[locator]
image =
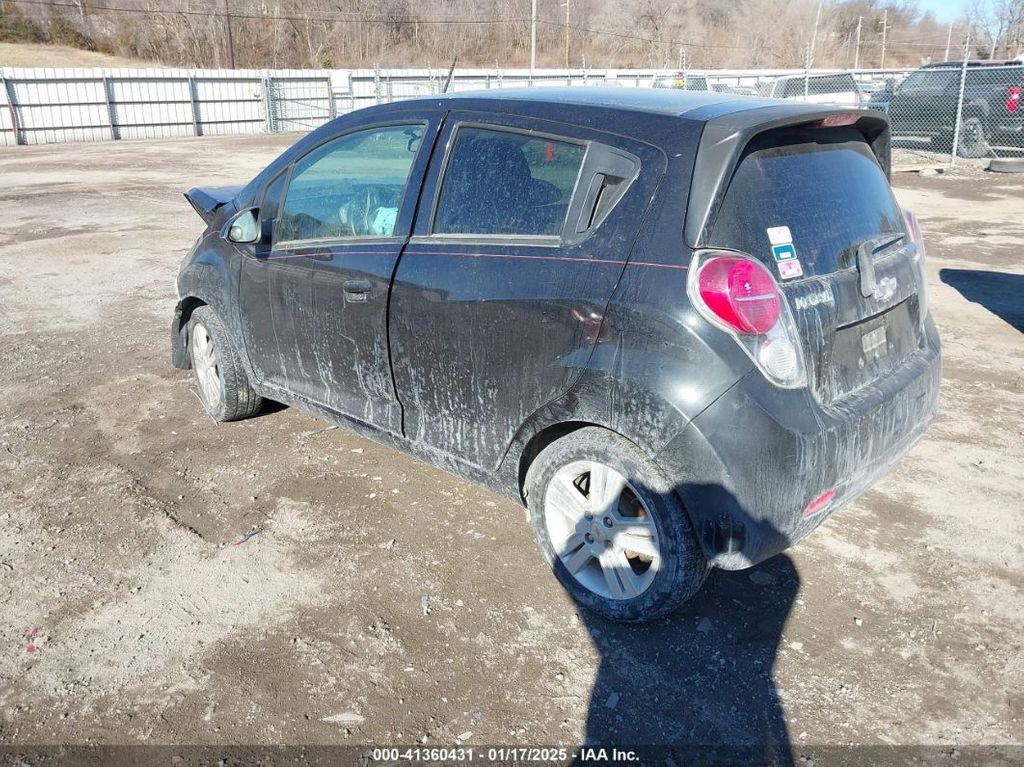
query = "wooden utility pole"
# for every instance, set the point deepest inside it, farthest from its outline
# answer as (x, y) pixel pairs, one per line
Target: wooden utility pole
(567, 34)
(949, 39)
(533, 35)
(885, 30)
(814, 35)
(856, 56)
(231, 41)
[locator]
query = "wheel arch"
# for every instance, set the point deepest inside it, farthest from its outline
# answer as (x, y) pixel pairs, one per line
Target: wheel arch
(179, 330)
(205, 282)
(546, 435)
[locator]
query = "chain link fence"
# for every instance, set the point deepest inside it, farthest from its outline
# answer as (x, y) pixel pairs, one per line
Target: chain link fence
(938, 113)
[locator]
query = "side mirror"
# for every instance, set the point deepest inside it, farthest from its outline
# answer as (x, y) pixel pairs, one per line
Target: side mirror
(242, 229)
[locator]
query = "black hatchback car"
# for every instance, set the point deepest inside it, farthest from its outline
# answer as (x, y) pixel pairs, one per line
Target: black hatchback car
(682, 328)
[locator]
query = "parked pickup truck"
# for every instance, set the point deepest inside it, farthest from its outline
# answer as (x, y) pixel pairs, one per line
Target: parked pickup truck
(926, 103)
(682, 328)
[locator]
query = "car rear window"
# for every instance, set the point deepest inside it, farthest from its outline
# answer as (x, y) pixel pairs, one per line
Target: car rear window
(820, 85)
(500, 182)
(826, 186)
(930, 78)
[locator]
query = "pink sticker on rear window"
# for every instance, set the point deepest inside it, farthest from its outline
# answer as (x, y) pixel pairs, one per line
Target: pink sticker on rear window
(790, 268)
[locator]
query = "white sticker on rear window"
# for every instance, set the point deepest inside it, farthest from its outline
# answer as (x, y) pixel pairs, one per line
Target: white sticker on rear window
(779, 235)
(790, 268)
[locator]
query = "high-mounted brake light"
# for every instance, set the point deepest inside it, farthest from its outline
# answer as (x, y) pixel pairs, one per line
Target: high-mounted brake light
(837, 121)
(739, 295)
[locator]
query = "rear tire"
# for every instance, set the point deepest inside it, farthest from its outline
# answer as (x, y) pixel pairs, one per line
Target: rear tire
(1007, 165)
(220, 379)
(973, 141)
(624, 550)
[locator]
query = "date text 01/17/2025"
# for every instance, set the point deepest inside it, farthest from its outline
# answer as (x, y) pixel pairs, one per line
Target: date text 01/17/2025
(462, 754)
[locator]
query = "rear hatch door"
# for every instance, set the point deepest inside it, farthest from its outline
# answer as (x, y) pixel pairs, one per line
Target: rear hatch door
(817, 195)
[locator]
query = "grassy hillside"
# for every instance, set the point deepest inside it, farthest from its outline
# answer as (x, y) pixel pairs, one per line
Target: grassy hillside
(43, 55)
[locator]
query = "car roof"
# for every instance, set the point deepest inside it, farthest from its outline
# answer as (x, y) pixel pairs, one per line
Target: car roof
(974, 63)
(660, 101)
(814, 75)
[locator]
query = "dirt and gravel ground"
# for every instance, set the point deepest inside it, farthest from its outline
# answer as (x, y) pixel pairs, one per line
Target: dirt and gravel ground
(387, 602)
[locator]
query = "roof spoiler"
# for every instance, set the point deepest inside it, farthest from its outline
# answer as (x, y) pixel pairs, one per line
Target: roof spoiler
(724, 139)
(207, 201)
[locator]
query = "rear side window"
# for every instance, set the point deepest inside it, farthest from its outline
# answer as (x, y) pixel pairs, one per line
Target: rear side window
(504, 183)
(827, 188)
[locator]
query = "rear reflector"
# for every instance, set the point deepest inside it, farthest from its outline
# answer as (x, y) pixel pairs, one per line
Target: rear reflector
(820, 503)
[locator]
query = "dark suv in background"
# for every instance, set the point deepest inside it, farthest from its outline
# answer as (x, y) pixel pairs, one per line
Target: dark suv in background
(682, 328)
(925, 105)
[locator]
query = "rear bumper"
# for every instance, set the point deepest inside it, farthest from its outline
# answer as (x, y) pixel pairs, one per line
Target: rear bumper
(750, 464)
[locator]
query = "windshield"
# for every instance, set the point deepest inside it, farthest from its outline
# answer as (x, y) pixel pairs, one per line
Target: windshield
(826, 187)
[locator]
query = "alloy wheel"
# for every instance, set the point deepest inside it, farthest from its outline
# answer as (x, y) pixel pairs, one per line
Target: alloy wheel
(601, 530)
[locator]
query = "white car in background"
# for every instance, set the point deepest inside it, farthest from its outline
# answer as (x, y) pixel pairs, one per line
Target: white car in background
(818, 88)
(686, 81)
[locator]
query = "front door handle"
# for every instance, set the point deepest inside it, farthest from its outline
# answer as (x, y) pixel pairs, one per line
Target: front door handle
(357, 290)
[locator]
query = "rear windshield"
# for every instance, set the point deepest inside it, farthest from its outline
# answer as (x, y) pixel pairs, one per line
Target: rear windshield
(826, 187)
(819, 86)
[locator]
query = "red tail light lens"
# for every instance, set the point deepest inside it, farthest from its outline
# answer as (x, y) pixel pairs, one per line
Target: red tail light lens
(741, 293)
(1013, 100)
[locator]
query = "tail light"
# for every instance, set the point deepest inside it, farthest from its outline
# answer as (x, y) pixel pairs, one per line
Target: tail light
(914, 232)
(741, 293)
(738, 294)
(910, 220)
(1013, 100)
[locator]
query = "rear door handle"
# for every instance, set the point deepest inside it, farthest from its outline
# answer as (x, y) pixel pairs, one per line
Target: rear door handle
(357, 290)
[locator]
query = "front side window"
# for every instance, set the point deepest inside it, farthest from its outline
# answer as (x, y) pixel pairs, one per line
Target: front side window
(350, 187)
(272, 197)
(498, 182)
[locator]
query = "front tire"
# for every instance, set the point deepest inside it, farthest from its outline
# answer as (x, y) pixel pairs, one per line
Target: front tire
(612, 528)
(220, 379)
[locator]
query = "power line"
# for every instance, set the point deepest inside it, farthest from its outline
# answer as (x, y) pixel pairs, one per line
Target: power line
(261, 17)
(343, 18)
(671, 42)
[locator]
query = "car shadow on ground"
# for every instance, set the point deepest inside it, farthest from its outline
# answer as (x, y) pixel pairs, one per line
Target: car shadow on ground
(999, 292)
(699, 682)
